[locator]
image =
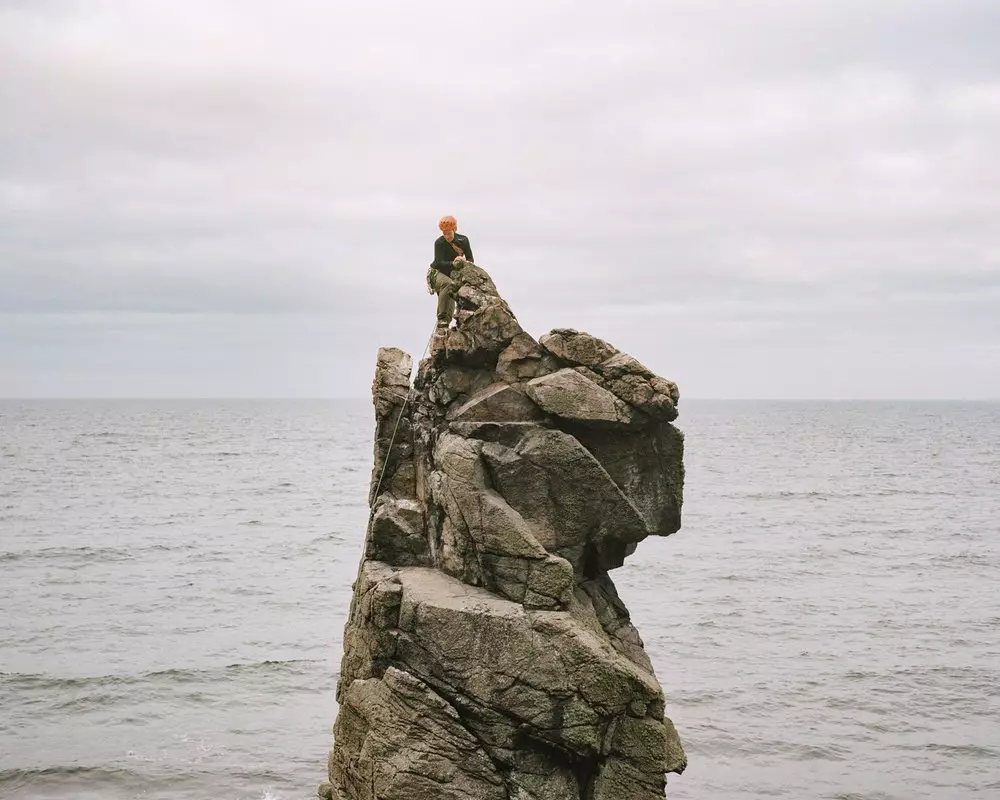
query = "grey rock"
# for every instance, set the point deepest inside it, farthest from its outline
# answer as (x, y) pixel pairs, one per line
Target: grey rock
(392, 380)
(498, 402)
(524, 359)
(487, 325)
(576, 347)
(451, 383)
(575, 396)
(325, 791)
(573, 506)
(615, 621)
(393, 469)
(396, 533)
(410, 744)
(647, 466)
(543, 671)
(539, 775)
(487, 653)
(487, 541)
(617, 372)
(370, 634)
(639, 387)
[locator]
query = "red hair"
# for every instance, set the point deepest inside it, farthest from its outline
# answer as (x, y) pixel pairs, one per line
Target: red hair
(448, 224)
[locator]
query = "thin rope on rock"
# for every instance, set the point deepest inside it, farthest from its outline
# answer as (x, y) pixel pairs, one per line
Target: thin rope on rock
(402, 410)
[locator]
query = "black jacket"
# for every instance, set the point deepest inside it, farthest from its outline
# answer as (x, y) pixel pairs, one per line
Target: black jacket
(444, 253)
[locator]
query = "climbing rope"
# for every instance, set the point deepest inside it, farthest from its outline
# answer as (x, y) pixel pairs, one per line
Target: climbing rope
(402, 410)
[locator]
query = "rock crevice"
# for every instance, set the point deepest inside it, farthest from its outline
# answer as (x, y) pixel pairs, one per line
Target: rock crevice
(487, 653)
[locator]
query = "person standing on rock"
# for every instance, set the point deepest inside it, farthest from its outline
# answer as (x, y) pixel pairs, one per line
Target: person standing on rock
(451, 251)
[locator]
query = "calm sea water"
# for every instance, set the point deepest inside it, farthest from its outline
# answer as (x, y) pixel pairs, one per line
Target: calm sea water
(175, 576)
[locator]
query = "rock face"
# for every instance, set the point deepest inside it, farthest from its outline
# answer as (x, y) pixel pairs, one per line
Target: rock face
(487, 655)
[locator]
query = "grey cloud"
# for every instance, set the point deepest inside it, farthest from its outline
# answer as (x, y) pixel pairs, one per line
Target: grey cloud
(758, 164)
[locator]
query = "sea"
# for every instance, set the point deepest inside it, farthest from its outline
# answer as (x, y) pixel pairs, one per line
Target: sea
(175, 577)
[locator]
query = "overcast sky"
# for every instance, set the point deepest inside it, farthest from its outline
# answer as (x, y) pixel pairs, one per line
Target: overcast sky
(756, 199)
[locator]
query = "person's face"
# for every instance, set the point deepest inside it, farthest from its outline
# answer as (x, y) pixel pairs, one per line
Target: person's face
(449, 234)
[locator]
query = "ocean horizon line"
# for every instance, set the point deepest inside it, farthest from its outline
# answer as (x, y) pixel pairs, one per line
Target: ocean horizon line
(353, 398)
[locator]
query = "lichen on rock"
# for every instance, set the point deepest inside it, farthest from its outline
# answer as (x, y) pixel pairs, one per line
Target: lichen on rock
(487, 653)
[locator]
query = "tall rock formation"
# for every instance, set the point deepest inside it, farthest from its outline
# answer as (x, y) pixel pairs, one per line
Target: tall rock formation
(487, 655)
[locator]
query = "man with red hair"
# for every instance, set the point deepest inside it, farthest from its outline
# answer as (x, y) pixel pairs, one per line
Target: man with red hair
(451, 251)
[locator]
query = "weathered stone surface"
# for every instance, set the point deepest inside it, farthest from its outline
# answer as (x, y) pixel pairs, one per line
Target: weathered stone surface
(639, 387)
(524, 359)
(577, 348)
(676, 760)
(409, 744)
(397, 533)
(543, 672)
(392, 471)
(487, 541)
(487, 325)
(392, 380)
(370, 635)
(617, 372)
(452, 383)
(615, 621)
(575, 396)
(487, 653)
(498, 402)
(647, 465)
(571, 503)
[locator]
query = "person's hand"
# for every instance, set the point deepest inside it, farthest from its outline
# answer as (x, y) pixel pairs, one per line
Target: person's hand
(458, 260)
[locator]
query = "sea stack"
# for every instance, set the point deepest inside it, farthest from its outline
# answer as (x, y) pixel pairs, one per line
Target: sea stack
(487, 655)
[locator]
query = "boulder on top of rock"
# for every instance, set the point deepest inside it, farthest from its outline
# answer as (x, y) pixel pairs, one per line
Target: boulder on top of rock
(639, 387)
(576, 396)
(576, 347)
(498, 402)
(618, 373)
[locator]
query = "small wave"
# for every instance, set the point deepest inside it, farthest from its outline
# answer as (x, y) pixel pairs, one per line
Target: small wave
(34, 681)
(74, 553)
(96, 554)
(833, 495)
(698, 698)
(812, 752)
(787, 495)
(866, 796)
(965, 558)
(316, 546)
(16, 778)
(858, 675)
(965, 750)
